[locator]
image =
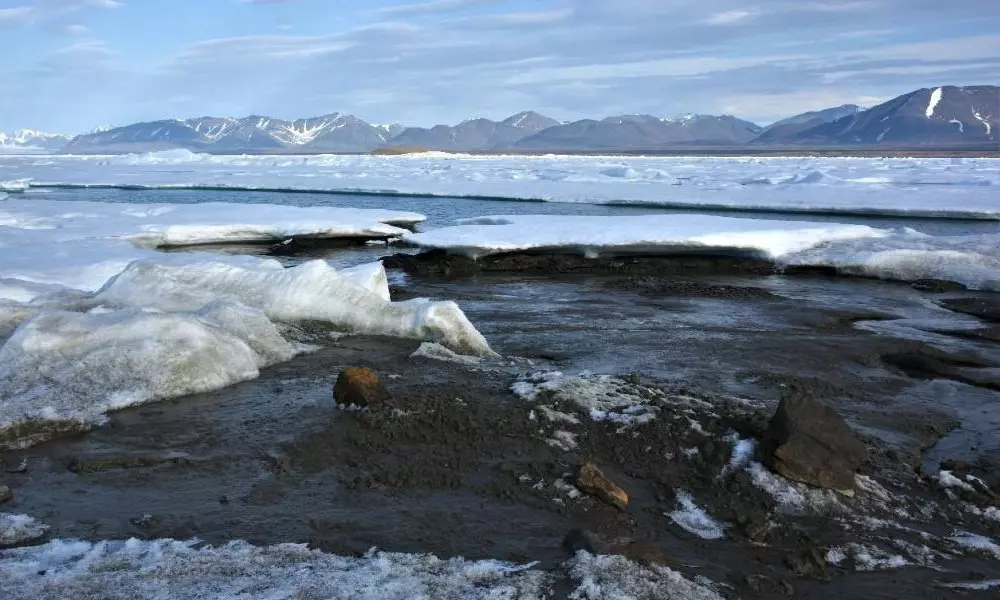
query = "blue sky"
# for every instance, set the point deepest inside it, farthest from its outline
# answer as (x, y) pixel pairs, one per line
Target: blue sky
(71, 65)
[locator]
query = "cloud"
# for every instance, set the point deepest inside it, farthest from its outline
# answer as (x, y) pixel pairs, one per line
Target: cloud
(729, 17)
(441, 61)
(432, 7)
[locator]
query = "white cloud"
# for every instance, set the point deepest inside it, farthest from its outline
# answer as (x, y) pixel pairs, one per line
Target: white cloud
(729, 17)
(432, 6)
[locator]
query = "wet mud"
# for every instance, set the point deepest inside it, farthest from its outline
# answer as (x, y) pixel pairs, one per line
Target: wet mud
(453, 462)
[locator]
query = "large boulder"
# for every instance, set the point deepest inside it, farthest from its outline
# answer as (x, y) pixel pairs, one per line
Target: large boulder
(359, 386)
(808, 441)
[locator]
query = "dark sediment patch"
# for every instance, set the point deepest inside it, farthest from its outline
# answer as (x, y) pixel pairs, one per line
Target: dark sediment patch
(443, 264)
(987, 309)
(927, 362)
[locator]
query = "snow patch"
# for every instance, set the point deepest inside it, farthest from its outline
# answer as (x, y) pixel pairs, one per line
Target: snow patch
(186, 570)
(18, 529)
(693, 519)
(977, 543)
(934, 100)
(435, 351)
(602, 577)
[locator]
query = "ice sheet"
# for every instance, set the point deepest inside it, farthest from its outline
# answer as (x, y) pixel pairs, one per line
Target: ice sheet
(935, 187)
(655, 234)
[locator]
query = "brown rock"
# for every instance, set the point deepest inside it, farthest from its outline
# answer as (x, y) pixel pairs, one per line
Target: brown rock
(809, 442)
(591, 481)
(359, 386)
(6, 494)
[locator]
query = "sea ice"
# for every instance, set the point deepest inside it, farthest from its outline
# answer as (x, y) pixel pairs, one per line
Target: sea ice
(931, 187)
(81, 245)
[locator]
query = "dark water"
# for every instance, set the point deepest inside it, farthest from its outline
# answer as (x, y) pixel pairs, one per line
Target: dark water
(444, 211)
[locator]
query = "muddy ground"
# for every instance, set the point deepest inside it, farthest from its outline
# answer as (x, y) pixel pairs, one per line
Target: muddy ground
(456, 464)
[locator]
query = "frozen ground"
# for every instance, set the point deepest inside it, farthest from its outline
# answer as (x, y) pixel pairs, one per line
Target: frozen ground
(956, 187)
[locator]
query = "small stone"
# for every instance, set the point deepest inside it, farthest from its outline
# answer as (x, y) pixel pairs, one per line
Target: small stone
(6, 494)
(359, 386)
(592, 481)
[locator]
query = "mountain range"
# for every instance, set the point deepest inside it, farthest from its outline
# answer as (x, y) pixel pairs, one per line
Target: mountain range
(945, 116)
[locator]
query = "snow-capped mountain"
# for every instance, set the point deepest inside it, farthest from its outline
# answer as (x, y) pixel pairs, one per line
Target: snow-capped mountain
(942, 116)
(31, 140)
(475, 134)
(643, 132)
(328, 133)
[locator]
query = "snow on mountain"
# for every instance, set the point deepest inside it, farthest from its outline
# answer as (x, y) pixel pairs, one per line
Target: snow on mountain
(30, 139)
(332, 132)
(946, 115)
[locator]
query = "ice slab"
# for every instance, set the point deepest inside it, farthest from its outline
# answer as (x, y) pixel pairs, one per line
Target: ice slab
(160, 330)
(899, 254)
(926, 187)
(81, 245)
(71, 368)
(649, 234)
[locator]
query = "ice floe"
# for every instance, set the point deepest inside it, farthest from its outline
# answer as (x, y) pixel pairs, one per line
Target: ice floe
(899, 254)
(929, 187)
(81, 245)
(649, 234)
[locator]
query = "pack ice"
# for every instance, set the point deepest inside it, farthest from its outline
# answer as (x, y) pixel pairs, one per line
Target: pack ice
(98, 321)
(927, 187)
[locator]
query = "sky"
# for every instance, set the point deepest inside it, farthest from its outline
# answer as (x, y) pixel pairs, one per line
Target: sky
(71, 65)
